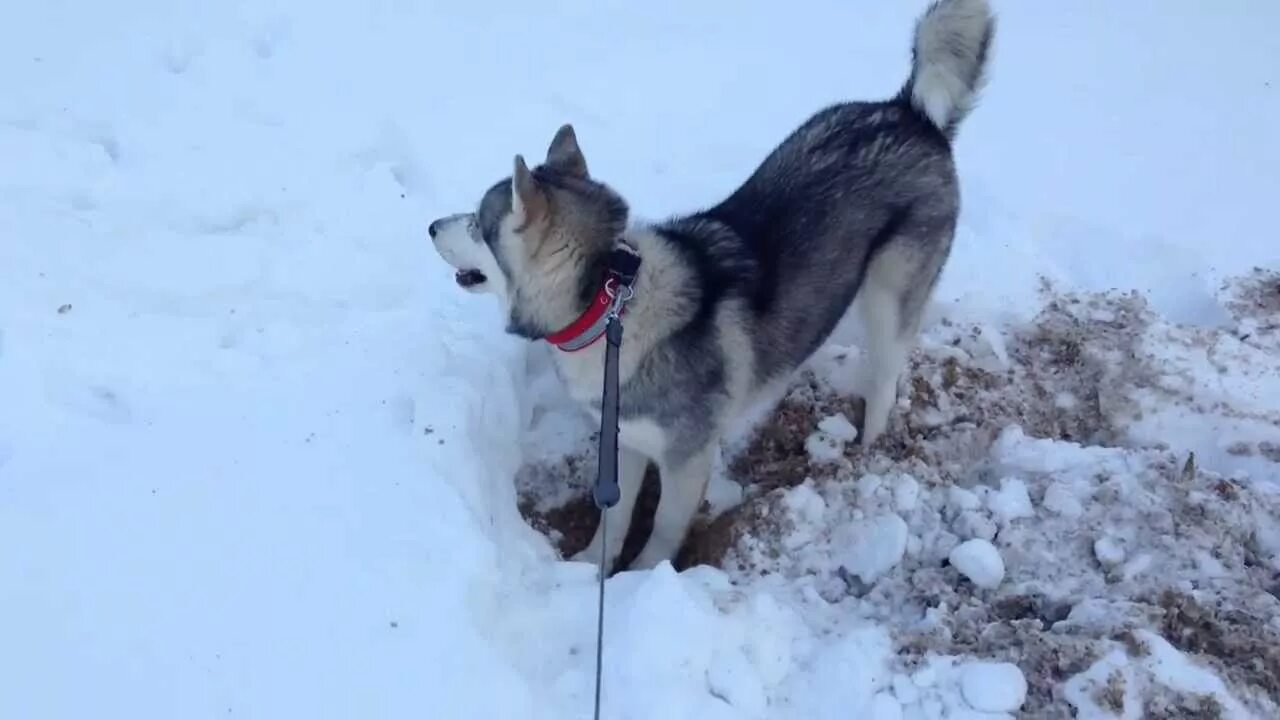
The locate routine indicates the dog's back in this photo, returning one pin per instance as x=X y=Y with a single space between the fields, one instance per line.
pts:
x=849 y=183
x=852 y=180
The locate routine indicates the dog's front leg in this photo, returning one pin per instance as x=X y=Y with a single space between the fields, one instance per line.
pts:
x=631 y=468
x=684 y=483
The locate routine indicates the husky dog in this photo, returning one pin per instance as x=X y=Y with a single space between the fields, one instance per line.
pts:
x=859 y=202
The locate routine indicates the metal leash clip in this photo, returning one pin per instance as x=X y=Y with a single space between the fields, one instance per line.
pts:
x=619 y=296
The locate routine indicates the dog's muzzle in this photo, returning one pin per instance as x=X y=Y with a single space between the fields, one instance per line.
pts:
x=455 y=238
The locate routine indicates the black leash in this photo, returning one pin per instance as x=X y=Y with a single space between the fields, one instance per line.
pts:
x=624 y=263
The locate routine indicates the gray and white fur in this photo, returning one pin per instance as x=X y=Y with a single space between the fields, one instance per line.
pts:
x=860 y=202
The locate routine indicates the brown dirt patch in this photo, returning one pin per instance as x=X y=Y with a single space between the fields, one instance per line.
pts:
x=1169 y=705
x=572 y=525
x=1256 y=297
x=1243 y=646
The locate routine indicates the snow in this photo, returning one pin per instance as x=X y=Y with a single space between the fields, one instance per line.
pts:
x=257 y=451
x=827 y=443
x=1160 y=671
x=838 y=428
x=1109 y=551
x=873 y=546
x=844 y=676
x=884 y=707
x=906 y=493
x=980 y=561
x=1058 y=499
x=963 y=499
x=1011 y=502
x=993 y=687
x=824 y=448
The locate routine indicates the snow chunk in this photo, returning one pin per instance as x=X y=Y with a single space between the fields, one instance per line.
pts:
x=807 y=510
x=873 y=546
x=1137 y=566
x=1011 y=502
x=972 y=524
x=995 y=342
x=868 y=486
x=1058 y=499
x=993 y=687
x=1109 y=551
x=838 y=428
x=1014 y=450
x=822 y=448
x=723 y=494
x=979 y=561
x=962 y=499
x=906 y=493
x=826 y=445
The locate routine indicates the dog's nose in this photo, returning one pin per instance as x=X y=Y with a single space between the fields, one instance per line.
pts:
x=433 y=228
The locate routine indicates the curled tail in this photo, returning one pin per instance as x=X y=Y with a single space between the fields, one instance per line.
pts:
x=949 y=59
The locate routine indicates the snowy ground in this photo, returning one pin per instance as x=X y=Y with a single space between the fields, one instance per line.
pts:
x=1024 y=508
x=256 y=450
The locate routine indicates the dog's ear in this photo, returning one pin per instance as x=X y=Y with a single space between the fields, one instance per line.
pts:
x=565 y=155
x=528 y=200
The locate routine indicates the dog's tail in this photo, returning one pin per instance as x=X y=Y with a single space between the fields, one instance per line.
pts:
x=949 y=60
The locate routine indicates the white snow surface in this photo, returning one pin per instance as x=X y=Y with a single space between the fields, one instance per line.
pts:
x=257 y=450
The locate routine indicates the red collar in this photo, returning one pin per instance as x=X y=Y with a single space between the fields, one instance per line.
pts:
x=624 y=264
x=590 y=325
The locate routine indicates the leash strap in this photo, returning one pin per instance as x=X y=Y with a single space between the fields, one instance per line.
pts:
x=606 y=492
x=624 y=265
x=604 y=524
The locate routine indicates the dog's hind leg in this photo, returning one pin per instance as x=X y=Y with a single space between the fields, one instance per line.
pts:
x=897 y=288
x=684 y=483
x=886 y=351
x=631 y=469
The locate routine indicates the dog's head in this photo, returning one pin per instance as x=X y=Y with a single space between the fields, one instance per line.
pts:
x=539 y=240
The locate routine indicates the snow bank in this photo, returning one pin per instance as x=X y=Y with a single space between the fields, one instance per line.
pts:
x=256 y=449
x=249 y=485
